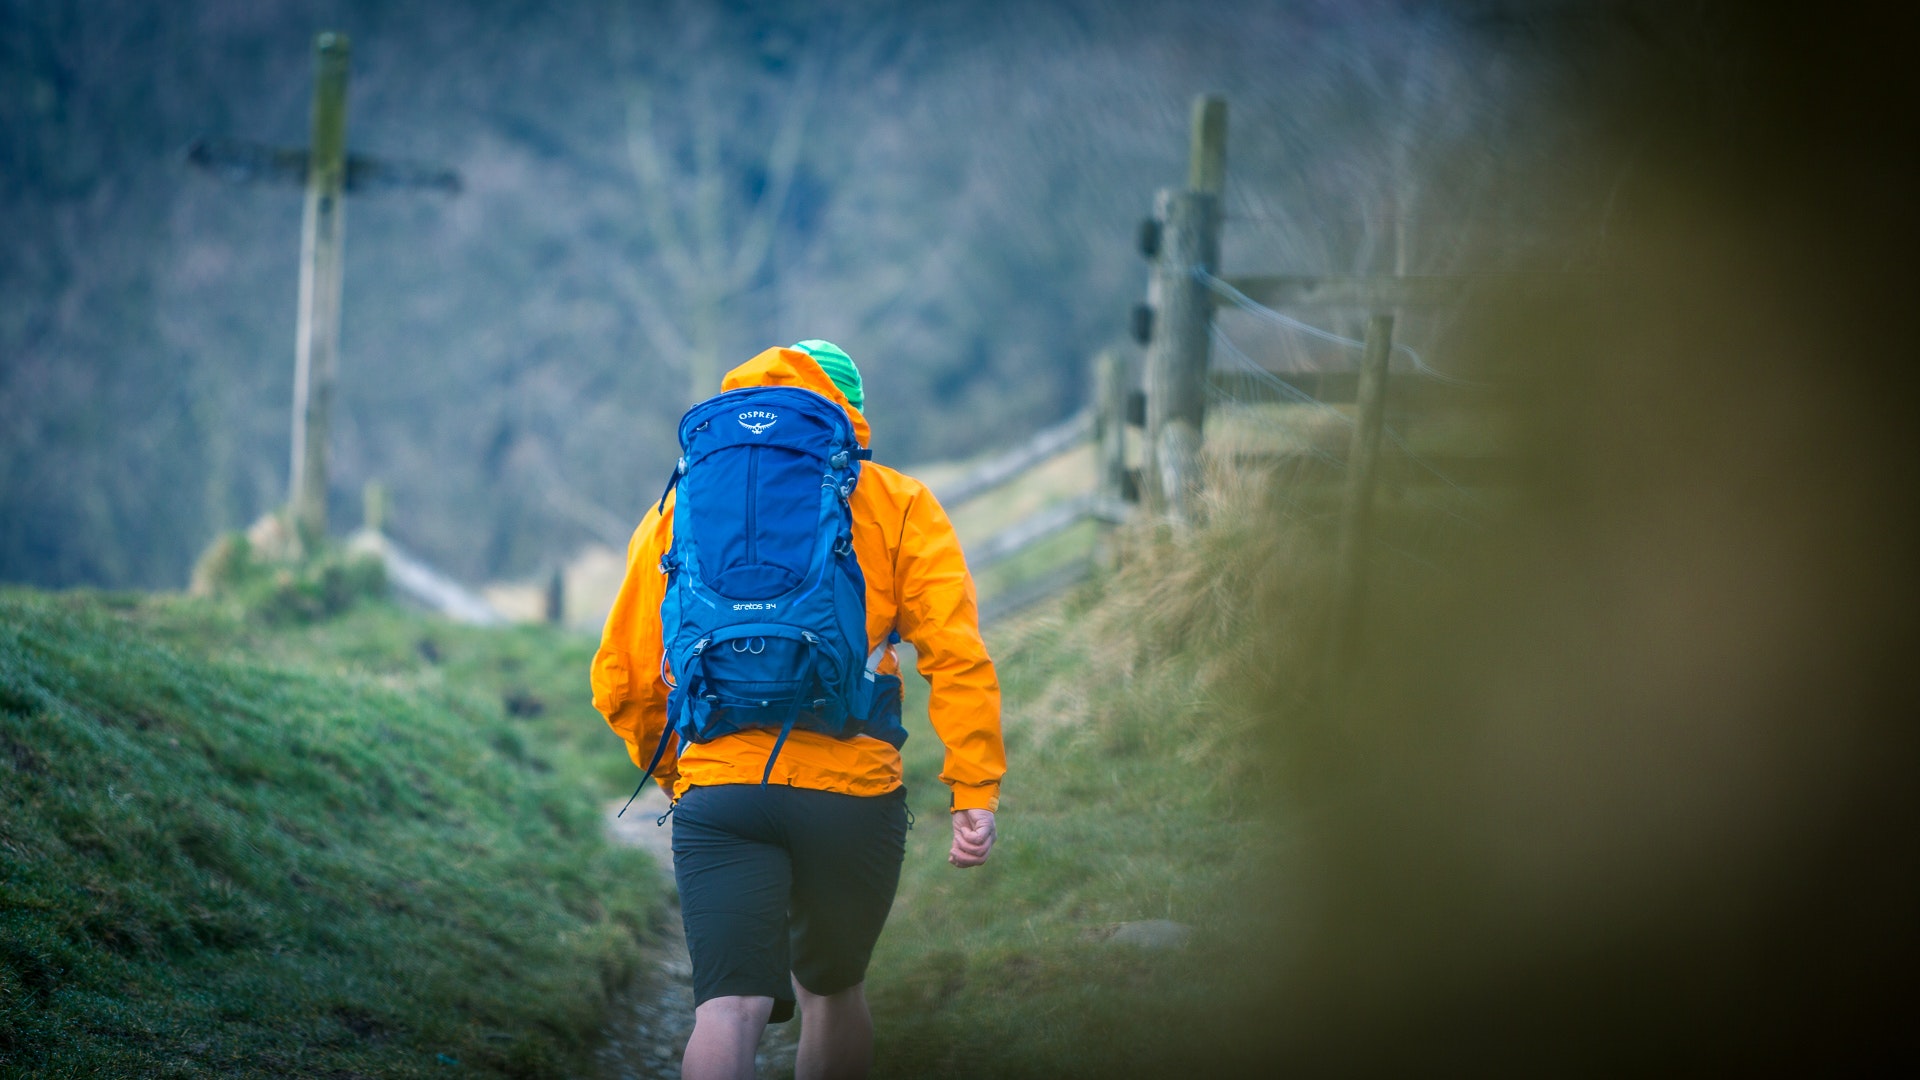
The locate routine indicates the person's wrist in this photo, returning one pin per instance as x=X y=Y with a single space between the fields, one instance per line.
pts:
x=965 y=797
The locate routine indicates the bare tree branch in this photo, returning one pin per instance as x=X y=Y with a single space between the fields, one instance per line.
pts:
x=656 y=195
x=659 y=327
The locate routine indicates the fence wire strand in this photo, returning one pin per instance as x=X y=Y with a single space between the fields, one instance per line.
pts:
x=1280 y=386
x=1301 y=397
x=1254 y=307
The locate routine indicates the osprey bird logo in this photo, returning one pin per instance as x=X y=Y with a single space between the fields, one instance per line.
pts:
x=758 y=420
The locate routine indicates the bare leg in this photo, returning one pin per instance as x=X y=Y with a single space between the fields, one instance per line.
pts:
x=726 y=1032
x=836 y=1035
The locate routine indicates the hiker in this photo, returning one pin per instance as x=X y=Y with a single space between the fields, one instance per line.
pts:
x=749 y=665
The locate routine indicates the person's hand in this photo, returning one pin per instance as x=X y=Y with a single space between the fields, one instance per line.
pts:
x=972 y=837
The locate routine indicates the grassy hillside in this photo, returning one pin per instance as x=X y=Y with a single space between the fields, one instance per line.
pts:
x=365 y=847
x=1139 y=789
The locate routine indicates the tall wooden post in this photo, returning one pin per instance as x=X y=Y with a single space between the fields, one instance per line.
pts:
x=1176 y=369
x=317 y=336
x=1357 y=510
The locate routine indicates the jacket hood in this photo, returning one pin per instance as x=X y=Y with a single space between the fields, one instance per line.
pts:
x=791 y=367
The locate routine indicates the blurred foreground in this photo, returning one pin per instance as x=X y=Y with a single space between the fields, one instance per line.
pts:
x=1623 y=780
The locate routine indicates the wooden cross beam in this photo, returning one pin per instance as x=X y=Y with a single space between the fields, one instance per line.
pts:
x=238 y=161
x=329 y=173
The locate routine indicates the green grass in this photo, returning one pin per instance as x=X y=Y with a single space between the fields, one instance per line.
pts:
x=1076 y=544
x=322 y=850
x=1003 y=970
x=1165 y=745
x=1138 y=789
x=367 y=844
x=533 y=675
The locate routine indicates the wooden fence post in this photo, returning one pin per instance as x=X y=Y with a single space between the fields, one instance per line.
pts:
x=1110 y=479
x=317 y=344
x=1110 y=426
x=1207 y=150
x=556 y=596
x=1176 y=370
x=1357 y=510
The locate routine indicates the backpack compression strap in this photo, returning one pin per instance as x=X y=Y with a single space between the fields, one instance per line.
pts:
x=860 y=453
x=673 y=481
x=658 y=752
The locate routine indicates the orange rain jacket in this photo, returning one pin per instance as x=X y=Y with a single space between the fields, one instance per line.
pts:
x=917 y=582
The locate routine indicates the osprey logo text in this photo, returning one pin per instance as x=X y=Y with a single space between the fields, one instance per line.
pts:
x=758 y=420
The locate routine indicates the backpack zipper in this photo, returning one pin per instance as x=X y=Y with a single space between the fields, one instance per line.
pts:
x=753 y=500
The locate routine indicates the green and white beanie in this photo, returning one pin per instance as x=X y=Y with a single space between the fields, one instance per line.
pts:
x=839 y=367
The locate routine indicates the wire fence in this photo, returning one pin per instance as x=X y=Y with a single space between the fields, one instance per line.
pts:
x=1195 y=365
x=1253 y=307
x=1228 y=357
x=1224 y=346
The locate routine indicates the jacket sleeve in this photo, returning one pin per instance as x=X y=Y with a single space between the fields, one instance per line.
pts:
x=626 y=670
x=939 y=615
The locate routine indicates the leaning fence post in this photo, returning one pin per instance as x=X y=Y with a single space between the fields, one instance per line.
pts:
x=1188 y=244
x=1357 y=510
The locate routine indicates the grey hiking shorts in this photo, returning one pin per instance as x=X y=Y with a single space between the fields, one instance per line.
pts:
x=782 y=879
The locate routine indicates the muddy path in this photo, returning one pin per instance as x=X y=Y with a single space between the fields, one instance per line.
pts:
x=647 y=1023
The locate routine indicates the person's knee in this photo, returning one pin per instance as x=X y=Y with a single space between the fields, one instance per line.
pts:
x=734 y=1012
x=852 y=995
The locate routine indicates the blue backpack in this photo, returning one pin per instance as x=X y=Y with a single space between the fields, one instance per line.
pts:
x=765 y=617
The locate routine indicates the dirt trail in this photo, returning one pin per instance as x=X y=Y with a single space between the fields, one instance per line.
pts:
x=647 y=1024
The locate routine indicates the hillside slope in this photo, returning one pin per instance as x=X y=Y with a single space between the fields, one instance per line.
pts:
x=218 y=861
x=1140 y=790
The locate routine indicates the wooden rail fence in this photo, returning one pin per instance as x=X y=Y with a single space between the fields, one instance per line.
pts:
x=1181 y=242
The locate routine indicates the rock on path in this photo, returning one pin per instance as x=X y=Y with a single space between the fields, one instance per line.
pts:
x=648 y=1022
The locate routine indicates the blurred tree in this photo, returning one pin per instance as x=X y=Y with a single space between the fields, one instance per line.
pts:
x=711 y=211
x=656 y=190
